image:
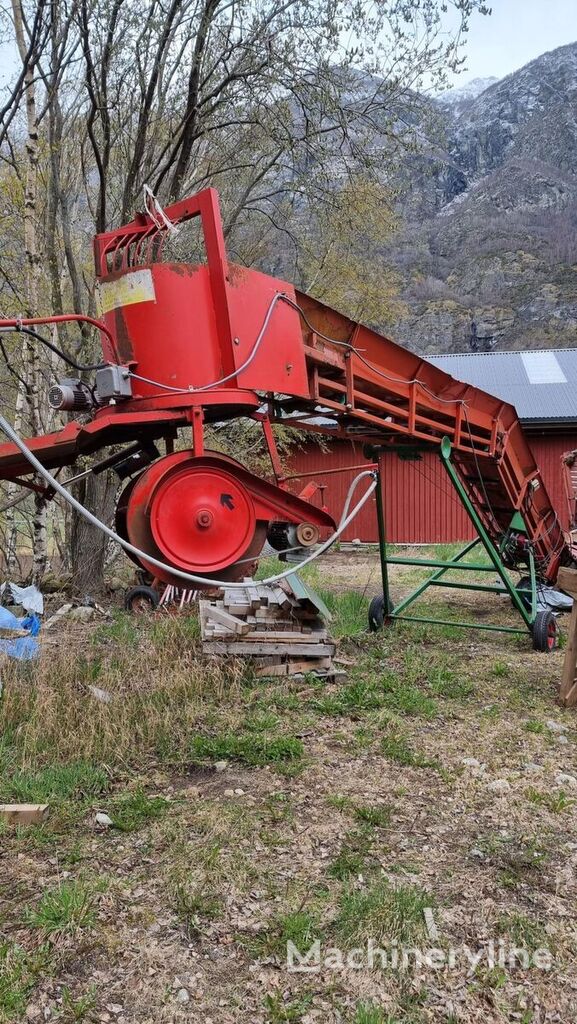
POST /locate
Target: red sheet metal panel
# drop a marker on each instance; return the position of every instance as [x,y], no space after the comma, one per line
[420,505]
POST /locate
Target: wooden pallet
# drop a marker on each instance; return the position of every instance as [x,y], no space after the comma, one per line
[286,634]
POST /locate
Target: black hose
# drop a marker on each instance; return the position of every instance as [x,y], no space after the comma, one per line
[53,348]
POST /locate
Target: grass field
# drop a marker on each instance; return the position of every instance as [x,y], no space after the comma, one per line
[438,776]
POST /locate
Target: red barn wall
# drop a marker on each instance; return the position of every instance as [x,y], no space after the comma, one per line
[420,505]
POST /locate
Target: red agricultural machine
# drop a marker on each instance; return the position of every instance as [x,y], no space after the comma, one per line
[186,345]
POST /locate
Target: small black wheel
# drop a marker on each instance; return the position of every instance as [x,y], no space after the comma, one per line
[378,615]
[141,599]
[545,632]
[523,589]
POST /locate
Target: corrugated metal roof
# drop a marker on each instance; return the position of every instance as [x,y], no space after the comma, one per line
[541,384]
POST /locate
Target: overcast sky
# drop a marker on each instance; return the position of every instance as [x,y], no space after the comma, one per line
[516,32]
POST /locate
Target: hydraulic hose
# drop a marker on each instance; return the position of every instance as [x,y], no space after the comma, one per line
[346,518]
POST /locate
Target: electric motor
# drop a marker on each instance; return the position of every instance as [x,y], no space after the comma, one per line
[71,395]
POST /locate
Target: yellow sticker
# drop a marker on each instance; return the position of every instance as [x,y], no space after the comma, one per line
[134,286]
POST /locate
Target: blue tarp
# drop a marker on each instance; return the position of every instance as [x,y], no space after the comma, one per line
[22,647]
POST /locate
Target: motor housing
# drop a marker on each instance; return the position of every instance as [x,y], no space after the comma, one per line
[70,395]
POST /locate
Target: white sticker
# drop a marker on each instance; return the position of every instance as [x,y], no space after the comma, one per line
[134,286]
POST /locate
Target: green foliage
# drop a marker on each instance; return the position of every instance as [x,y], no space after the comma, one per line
[351,858]
[56,782]
[372,692]
[281,1011]
[65,908]
[533,725]
[382,913]
[249,748]
[555,802]
[300,927]
[194,903]
[376,815]
[349,609]
[76,1009]
[340,264]
[397,749]
[132,810]
[369,1013]
[523,931]
[18,972]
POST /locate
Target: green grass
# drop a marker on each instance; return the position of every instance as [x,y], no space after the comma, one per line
[193,904]
[350,610]
[398,750]
[445,683]
[388,692]
[369,1013]
[556,802]
[523,931]
[500,669]
[517,858]
[132,810]
[352,857]
[382,913]
[65,908]
[342,803]
[56,783]
[18,972]
[533,725]
[77,1009]
[281,1011]
[377,815]
[250,749]
[300,927]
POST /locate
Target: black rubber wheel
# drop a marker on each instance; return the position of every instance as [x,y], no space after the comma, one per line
[378,616]
[141,599]
[545,632]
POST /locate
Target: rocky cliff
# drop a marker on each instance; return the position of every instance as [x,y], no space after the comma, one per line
[488,251]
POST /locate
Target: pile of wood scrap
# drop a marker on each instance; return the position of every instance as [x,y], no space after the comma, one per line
[282,627]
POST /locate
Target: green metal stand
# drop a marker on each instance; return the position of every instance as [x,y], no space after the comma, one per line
[442,566]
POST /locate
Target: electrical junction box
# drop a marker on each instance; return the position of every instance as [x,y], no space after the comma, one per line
[113,382]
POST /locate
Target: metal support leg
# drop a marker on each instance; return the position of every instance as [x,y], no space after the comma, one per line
[378,611]
[387,603]
[483,535]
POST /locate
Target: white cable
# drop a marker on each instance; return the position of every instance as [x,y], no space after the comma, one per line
[223,380]
[346,518]
[343,344]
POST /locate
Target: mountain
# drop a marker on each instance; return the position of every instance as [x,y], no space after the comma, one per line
[461,95]
[488,251]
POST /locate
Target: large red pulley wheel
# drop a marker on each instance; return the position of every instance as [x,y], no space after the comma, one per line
[202,518]
[194,514]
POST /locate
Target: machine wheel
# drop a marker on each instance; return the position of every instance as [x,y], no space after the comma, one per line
[377,614]
[141,599]
[545,631]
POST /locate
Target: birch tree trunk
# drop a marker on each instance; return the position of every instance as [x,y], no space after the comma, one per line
[33,270]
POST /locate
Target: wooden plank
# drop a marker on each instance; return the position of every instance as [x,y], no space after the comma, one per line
[219,615]
[567,580]
[285,636]
[292,667]
[253,596]
[240,647]
[24,814]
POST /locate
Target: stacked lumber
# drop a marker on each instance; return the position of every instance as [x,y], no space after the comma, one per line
[285,632]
